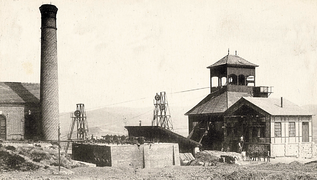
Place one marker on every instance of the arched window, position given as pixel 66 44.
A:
pixel 241 79
pixel 214 81
pixel 232 79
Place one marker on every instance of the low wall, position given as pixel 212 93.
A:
pixel 142 156
pixel 302 150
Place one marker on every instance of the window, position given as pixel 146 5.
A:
pixel 223 81
pixel 250 81
pixel 262 134
pixel 214 81
pixel 241 79
pixel 291 129
pixel 233 79
pixel 277 129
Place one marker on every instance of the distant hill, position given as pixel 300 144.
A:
pixel 112 120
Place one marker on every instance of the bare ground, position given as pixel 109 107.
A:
pixel 293 170
pixel 40 162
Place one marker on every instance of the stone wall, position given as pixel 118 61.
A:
pixel 136 156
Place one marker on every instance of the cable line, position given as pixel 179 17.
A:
pixel 189 90
pixel 132 100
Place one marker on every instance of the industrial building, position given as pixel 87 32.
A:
pixel 31 111
pixel 237 115
pixel 19 110
pixel 237 111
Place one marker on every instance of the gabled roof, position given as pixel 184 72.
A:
pixel 17 92
pixel 272 106
pixel 234 61
pixel 216 103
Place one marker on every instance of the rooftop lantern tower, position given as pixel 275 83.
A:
pixel 232 70
pixel 235 74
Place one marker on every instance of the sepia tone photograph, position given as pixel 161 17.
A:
pixel 149 89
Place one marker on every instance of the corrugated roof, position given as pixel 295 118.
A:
pixel 233 60
pixel 17 92
pixel 215 104
pixel 273 106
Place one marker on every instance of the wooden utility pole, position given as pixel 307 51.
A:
pixel 59 147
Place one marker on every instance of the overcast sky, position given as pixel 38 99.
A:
pixel 112 51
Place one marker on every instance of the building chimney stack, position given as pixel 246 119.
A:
pixel 281 102
pixel 49 73
pixel 236 53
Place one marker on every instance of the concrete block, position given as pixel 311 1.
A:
pixel 158 155
pixel 136 156
pixel 127 156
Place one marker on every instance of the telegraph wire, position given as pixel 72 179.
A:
pixel 189 90
pixel 132 100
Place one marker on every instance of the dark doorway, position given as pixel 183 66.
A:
pixel 3 129
pixel 30 126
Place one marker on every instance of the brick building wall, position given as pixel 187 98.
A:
pixel 15 116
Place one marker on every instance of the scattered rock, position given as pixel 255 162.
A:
pixel 25 157
pixel 12 148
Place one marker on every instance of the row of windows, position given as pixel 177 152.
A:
pixel 278 129
pixel 233 79
pixel 291 130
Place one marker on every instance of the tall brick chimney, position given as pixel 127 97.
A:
pixel 49 73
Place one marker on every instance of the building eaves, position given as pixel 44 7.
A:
pixel 233 60
pixel 274 107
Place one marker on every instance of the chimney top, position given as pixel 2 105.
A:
pixel 236 53
pixel 48 8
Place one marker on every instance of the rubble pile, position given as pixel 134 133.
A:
pixel 26 157
pixel 212 158
pixel 10 161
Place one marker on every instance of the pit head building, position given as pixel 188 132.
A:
pixel 237 112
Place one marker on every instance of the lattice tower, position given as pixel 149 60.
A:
pixel 161 113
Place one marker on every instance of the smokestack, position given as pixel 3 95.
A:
pixel 281 102
pixel 49 73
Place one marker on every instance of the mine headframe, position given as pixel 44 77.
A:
pixel 161 113
pixel 79 119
